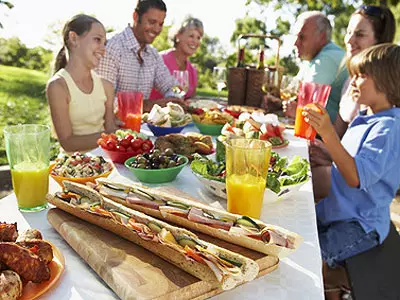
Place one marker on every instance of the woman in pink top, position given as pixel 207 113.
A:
pixel 186 41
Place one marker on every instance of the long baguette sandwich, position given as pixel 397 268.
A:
pixel 236 229
pixel 206 261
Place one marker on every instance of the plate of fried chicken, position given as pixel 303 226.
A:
pixel 29 265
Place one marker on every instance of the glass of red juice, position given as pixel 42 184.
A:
pixel 130 108
pixel 309 94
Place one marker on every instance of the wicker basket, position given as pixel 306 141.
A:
pixel 237 81
pixel 244 84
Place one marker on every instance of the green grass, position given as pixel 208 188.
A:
pixel 203 92
pixel 23 101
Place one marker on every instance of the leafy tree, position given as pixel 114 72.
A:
pixel 341 10
pixel 162 42
pixel 14 53
pixel 8 4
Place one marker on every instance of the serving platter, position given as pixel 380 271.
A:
pixel 135 273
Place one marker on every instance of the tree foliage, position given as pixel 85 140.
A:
pixel 8 4
pixel 14 53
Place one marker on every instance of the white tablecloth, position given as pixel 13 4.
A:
pixel 297 277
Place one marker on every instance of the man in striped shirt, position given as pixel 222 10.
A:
pixel 132 64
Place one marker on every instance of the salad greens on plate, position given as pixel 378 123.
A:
pixel 281 173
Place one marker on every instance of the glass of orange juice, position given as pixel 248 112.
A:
pixel 28 153
pixel 247 162
pixel 130 108
pixel 309 94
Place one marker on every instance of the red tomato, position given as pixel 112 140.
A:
pixel 129 148
pixel 129 137
pixel 271 130
pixel 139 151
pixel 148 142
pixel 125 142
pixel 111 145
pixel 102 143
pixel 264 136
pixel 86 159
pixel 136 143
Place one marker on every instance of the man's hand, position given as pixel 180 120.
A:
pixel 319 155
pixel 289 108
pixel 148 104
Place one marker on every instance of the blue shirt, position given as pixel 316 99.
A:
pixel 327 68
pixel 374 142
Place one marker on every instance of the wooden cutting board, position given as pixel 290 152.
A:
pixel 134 272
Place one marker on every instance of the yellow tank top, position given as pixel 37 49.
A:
pixel 86 111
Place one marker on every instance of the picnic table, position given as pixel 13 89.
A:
pixel 298 276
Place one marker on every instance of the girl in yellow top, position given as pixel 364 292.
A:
pixel 81 103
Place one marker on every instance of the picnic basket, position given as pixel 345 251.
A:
pixel 244 83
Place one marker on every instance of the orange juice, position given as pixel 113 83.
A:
pixel 301 127
pixel 132 121
pixel 31 184
pixel 245 194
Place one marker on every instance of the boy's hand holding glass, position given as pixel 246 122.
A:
pixel 317 116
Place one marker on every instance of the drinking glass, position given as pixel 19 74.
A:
pixel 289 89
pixel 28 154
pixel 270 83
pixel 182 77
pixel 247 162
pixel 309 93
pixel 130 108
pixel 219 74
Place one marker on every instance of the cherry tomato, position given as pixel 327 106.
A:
pixel 121 148
pixel 111 145
pixel 148 142
pixel 136 143
pixel 102 143
pixel 129 137
pixel 125 142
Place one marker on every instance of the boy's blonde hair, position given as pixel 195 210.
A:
pixel 382 63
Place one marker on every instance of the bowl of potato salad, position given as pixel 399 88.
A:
pixel 79 168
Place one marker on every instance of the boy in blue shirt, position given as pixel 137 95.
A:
pixel 365 176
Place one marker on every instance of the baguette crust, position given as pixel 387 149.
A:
pixel 249 268
pixel 240 240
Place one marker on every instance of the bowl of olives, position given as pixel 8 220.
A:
pixel 157 166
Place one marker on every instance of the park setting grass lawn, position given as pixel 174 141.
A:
pixel 23 101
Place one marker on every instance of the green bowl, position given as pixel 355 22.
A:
pixel 156 175
pixel 209 129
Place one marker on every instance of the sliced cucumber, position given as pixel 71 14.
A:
pixel 107 185
pixel 178 205
pixel 188 242
pixel 144 194
pixel 119 213
pixel 246 221
pixel 235 263
pixel 154 227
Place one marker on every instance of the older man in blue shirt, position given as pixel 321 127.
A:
pixel 321 58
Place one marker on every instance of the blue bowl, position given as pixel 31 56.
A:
pixel 159 131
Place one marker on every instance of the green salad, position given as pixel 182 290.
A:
pixel 281 173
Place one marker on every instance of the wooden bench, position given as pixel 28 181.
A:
pixel 375 274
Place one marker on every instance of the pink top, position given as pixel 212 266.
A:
pixel 170 62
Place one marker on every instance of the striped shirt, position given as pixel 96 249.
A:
pixel 128 71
